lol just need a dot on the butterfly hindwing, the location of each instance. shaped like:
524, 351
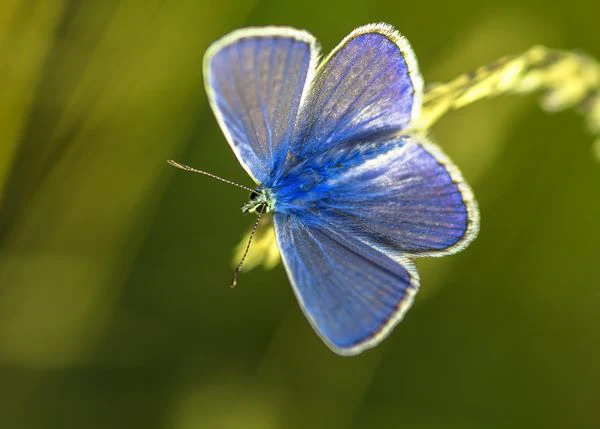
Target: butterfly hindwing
255, 79
352, 294
370, 84
407, 200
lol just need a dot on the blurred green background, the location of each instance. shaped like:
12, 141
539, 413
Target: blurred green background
115, 310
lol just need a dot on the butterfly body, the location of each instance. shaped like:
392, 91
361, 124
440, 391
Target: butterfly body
354, 195
310, 183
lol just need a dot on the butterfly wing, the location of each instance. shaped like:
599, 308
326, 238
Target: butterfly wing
255, 79
407, 199
370, 84
352, 294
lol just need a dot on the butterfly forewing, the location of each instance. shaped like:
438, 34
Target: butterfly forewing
351, 293
255, 79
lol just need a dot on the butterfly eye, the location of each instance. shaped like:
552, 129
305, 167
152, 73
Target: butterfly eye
253, 195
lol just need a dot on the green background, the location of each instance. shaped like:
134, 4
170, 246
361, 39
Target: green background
115, 310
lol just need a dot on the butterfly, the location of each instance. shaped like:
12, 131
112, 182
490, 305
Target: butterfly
355, 194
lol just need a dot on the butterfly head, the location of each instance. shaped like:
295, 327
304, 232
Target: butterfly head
261, 201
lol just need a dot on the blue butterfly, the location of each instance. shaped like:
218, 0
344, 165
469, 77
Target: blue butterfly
355, 195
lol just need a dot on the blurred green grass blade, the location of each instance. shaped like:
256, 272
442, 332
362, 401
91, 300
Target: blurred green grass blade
122, 89
26, 37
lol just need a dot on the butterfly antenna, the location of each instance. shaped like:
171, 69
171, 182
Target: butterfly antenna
194, 170
239, 267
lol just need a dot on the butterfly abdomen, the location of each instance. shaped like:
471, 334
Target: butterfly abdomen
311, 184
